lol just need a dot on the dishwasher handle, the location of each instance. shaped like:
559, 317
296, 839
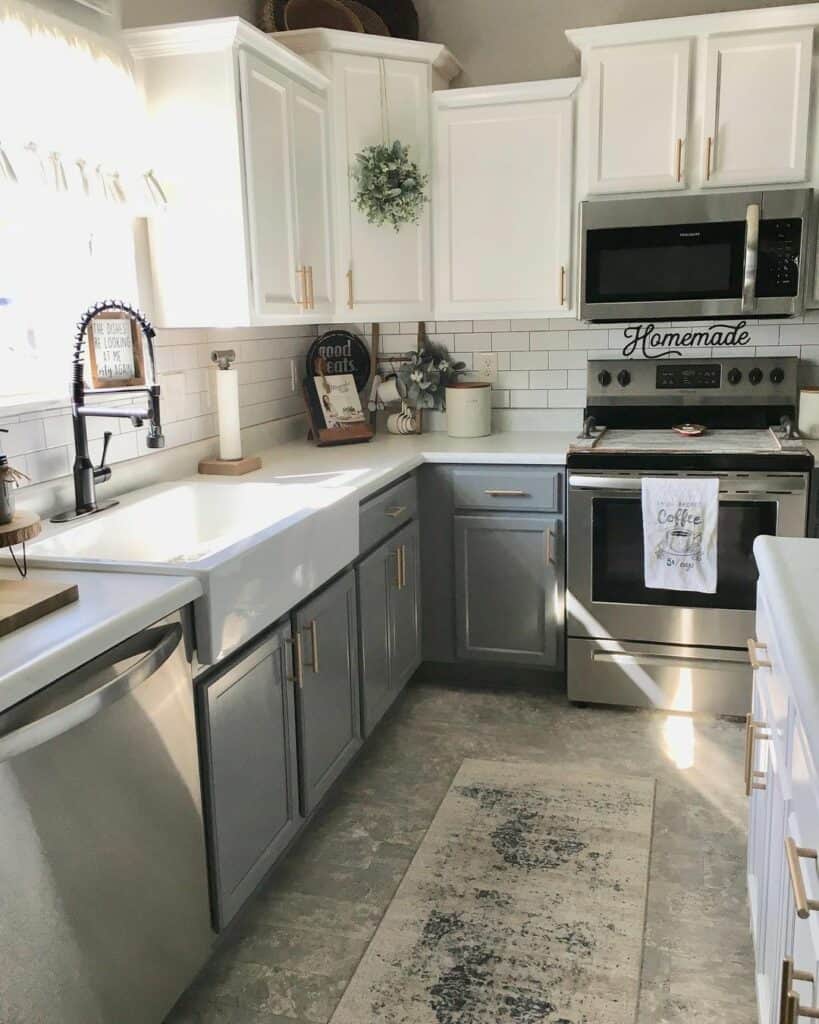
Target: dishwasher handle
85, 692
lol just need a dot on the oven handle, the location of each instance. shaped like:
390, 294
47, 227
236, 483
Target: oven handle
751, 258
625, 483
670, 661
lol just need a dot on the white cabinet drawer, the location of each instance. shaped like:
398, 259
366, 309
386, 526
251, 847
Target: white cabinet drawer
769, 682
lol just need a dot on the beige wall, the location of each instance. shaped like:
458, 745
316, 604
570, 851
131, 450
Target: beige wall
495, 40
82, 15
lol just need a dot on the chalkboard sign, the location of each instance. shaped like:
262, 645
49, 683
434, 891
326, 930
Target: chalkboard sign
114, 346
340, 352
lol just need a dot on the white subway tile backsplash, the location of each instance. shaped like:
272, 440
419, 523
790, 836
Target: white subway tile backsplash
532, 399
568, 399
548, 379
509, 341
477, 342
567, 360
529, 360
513, 379
548, 340
491, 325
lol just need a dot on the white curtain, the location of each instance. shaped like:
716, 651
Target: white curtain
71, 117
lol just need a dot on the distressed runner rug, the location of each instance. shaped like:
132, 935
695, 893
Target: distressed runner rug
525, 904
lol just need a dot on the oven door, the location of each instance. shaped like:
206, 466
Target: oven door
607, 597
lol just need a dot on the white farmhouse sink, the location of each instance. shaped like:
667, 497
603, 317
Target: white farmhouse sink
259, 548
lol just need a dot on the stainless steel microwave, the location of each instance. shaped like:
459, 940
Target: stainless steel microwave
732, 254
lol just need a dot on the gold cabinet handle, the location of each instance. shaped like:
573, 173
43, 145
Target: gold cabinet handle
304, 302
551, 556
397, 554
495, 493
562, 286
313, 630
794, 854
788, 1012
678, 159
395, 511
754, 647
403, 566
298, 660
311, 298
709, 147
753, 731
350, 298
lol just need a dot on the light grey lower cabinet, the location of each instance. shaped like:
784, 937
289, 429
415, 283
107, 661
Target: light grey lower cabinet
389, 600
325, 631
250, 771
509, 588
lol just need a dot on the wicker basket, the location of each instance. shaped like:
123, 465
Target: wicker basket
374, 24
321, 14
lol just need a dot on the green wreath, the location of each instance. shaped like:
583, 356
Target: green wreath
391, 188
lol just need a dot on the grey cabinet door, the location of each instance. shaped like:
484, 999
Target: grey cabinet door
509, 588
329, 725
405, 609
251, 779
376, 577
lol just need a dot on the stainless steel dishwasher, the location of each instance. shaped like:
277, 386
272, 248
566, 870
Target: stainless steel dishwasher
104, 912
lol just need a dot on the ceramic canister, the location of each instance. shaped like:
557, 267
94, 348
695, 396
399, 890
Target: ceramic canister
469, 409
809, 413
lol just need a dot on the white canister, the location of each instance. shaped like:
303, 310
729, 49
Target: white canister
809, 413
469, 409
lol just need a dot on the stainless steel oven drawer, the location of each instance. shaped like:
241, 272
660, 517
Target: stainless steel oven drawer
381, 515
507, 488
659, 676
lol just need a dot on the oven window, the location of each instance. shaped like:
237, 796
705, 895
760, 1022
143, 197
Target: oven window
683, 261
617, 559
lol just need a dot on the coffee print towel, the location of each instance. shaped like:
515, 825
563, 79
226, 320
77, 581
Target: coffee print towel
680, 520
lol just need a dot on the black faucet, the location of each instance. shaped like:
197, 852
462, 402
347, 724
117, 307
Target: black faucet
86, 474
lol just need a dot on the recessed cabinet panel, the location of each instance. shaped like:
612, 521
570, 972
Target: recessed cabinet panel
503, 207
377, 575
405, 609
271, 226
756, 107
379, 101
639, 116
312, 161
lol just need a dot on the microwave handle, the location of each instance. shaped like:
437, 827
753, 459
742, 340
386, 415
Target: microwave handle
751, 258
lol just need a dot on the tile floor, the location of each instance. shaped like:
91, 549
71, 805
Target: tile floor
293, 950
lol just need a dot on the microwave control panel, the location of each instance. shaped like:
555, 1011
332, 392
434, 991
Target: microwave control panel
778, 268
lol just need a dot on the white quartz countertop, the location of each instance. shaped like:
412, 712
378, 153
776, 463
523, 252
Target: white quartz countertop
789, 572
111, 608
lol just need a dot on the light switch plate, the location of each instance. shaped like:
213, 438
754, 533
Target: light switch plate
485, 366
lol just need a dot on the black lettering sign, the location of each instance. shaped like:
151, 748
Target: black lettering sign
654, 343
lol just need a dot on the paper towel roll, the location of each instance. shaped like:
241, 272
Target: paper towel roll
227, 406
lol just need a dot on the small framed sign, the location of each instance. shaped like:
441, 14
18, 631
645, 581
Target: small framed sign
115, 351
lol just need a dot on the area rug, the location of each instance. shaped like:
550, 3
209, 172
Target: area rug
525, 904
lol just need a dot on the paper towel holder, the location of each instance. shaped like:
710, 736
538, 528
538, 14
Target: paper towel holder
224, 359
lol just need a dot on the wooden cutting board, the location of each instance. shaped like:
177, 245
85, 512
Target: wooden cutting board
24, 601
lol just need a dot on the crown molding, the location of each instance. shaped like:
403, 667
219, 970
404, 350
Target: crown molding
516, 92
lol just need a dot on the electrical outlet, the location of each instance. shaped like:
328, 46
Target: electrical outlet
485, 366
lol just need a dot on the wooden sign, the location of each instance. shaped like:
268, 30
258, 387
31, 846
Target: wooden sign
115, 350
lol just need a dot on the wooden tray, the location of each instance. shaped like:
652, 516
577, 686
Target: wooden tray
23, 526
25, 601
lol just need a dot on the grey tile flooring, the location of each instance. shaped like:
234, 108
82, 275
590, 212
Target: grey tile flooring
291, 953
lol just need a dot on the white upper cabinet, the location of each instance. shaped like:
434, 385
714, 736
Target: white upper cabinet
241, 129
638, 116
503, 200
381, 92
757, 101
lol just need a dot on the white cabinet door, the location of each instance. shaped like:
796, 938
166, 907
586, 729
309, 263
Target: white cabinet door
382, 273
503, 195
757, 100
271, 222
312, 166
638, 116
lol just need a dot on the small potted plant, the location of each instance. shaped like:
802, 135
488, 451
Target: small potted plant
422, 383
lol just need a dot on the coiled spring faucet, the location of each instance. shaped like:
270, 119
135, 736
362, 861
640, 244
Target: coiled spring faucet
86, 474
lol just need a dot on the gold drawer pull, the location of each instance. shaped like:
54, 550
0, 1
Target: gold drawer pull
403, 560
311, 298
493, 493
395, 511
753, 731
304, 296
789, 1012
313, 630
551, 549
754, 647
350, 296
709, 146
398, 568
298, 659
678, 159
562, 286
794, 854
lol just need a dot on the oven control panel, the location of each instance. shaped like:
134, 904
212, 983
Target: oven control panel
692, 375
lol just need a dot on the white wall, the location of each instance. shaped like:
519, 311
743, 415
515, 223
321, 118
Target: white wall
84, 16
495, 40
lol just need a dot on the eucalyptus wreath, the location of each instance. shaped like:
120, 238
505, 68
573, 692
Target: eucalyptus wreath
391, 188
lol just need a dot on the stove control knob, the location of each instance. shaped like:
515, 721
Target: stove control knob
777, 375
604, 378
624, 378
734, 376
755, 376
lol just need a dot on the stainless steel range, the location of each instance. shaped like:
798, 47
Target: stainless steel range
684, 651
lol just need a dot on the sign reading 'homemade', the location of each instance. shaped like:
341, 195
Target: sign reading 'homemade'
655, 342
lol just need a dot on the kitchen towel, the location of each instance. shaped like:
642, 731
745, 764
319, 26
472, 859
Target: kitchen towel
680, 526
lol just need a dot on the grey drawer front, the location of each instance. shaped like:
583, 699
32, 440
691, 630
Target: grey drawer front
386, 512
507, 488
